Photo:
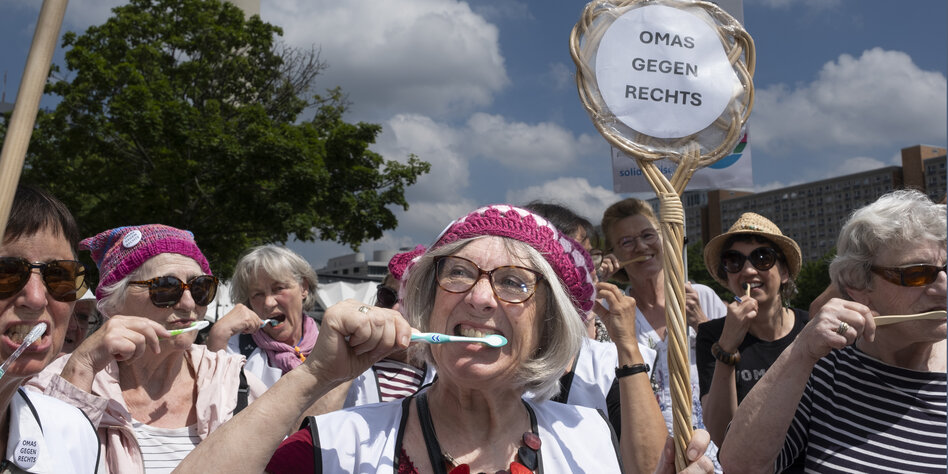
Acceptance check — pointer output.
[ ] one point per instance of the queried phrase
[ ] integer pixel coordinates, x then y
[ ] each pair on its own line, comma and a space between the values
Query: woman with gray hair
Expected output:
271, 289
151, 393
499, 271
862, 388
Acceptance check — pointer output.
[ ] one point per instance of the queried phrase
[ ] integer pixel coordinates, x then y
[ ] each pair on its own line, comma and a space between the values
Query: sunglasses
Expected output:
385, 297
510, 283
166, 291
63, 278
761, 258
909, 275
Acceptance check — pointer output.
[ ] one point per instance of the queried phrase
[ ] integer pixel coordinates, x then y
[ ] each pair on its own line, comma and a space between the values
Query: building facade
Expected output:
355, 267
813, 213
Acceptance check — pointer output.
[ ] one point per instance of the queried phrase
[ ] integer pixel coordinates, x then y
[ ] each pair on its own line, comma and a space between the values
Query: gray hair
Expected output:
114, 294
562, 330
281, 264
899, 219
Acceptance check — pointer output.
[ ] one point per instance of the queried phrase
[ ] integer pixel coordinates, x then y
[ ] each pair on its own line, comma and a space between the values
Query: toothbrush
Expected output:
195, 326
31, 337
272, 322
493, 340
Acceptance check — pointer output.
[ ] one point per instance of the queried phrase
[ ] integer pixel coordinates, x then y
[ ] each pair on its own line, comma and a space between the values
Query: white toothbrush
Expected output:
272, 322
493, 340
31, 337
195, 326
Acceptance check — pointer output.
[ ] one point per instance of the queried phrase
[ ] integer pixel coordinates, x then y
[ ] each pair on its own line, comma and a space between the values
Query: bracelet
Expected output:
627, 370
728, 358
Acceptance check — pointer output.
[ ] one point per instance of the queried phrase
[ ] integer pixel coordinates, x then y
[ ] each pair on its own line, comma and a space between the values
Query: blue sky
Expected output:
485, 92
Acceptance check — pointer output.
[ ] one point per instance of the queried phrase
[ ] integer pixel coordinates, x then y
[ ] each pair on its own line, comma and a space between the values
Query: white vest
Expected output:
257, 362
595, 372
362, 439
50, 436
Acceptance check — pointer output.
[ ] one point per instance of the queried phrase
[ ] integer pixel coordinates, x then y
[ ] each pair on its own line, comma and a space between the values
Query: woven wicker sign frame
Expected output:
667, 79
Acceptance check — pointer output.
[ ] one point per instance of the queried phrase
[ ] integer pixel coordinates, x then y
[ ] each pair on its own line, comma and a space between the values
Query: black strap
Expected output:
428, 431
406, 408
317, 449
566, 382
243, 392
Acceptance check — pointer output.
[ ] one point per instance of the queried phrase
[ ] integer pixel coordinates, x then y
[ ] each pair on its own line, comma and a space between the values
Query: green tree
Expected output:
185, 112
812, 280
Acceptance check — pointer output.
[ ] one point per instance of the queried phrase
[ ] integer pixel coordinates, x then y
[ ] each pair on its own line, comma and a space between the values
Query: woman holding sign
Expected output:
631, 231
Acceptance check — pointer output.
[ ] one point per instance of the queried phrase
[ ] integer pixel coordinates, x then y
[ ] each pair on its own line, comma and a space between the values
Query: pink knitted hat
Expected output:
118, 252
568, 258
400, 262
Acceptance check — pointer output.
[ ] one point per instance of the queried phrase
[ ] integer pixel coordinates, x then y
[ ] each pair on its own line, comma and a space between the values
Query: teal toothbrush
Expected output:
493, 340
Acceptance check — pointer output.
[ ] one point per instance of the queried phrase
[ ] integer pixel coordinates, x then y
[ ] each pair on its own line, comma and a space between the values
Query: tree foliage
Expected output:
183, 112
812, 280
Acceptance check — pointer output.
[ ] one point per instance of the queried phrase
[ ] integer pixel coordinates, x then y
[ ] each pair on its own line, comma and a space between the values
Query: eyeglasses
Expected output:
385, 297
166, 291
510, 283
762, 258
647, 237
909, 275
63, 278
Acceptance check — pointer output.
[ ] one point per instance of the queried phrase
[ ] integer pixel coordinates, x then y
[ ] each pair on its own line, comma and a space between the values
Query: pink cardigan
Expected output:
217, 380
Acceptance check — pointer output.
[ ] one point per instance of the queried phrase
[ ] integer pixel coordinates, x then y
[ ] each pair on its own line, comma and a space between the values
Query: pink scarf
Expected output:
284, 356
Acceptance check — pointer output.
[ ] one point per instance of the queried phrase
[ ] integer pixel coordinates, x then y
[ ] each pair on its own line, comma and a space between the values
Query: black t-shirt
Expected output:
756, 355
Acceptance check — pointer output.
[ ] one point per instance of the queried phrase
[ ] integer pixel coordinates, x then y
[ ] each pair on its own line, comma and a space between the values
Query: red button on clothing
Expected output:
517, 468
462, 469
531, 440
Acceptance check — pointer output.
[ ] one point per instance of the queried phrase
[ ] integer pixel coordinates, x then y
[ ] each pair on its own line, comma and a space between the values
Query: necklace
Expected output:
528, 459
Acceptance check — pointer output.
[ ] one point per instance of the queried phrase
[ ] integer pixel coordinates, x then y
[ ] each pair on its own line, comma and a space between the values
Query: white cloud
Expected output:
434, 57
542, 147
575, 193
503, 10
425, 220
430, 141
880, 99
560, 76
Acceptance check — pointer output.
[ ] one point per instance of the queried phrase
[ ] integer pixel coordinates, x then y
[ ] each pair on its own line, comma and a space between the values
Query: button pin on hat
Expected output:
132, 239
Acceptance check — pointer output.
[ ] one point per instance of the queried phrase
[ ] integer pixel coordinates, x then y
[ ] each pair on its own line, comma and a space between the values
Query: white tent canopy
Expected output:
332, 293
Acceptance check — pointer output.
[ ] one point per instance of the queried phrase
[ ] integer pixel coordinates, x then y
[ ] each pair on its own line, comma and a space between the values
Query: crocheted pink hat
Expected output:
399, 263
568, 258
118, 252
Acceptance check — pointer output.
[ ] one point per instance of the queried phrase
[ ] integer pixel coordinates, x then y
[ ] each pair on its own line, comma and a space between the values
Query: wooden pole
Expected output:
27, 103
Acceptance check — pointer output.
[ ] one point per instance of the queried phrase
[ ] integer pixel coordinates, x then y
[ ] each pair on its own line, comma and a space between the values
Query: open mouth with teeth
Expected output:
17, 332
467, 331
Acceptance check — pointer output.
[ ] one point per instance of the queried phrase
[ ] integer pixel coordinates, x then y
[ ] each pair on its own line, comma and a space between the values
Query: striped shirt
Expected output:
164, 448
397, 380
858, 414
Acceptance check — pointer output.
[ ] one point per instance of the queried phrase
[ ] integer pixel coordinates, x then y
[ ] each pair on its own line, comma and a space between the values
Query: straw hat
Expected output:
752, 224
